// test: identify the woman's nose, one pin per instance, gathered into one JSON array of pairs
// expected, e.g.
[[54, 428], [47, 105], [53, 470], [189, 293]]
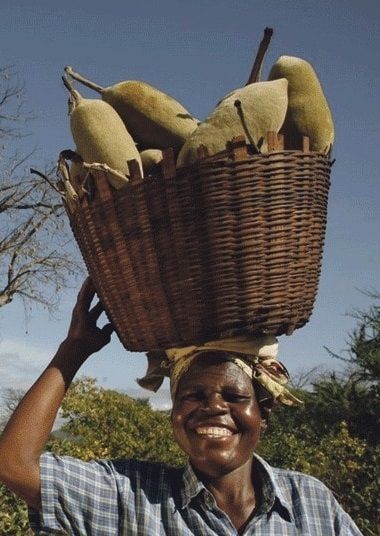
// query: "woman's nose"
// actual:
[[214, 402]]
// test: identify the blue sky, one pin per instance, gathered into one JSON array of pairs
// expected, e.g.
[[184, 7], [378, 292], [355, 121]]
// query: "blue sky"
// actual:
[[198, 52]]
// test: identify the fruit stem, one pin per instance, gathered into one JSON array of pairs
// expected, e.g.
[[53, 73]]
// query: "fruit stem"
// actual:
[[263, 47], [240, 112], [75, 96], [70, 72]]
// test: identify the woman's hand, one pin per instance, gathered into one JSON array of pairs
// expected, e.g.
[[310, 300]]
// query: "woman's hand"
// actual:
[[83, 330]]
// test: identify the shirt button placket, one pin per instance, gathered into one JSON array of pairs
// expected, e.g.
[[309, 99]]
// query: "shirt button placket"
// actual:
[[209, 500]]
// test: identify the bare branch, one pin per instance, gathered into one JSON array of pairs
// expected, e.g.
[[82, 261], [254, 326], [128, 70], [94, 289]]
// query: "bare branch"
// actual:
[[37, 255], [304, 377], [12, 104]]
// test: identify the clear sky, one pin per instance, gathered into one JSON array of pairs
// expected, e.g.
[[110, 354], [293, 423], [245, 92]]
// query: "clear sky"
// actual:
[[199, 51]]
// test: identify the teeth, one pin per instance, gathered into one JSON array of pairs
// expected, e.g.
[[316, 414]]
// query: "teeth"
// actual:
[[214, 431]]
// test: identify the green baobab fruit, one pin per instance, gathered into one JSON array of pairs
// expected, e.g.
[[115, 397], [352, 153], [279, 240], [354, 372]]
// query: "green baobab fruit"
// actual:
[[251, 111], [308, 111], [154, 119], [101, 136], [150, 159]]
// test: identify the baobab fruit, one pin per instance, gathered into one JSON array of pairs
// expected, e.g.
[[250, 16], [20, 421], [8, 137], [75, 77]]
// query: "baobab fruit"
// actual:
[[251, 111], [154, 119], [308, 110], [151, 158], [101, 136]]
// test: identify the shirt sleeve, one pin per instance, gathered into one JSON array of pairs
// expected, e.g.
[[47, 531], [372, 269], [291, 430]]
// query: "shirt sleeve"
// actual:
[[327, 514], [344, 524], [313, 507], [78, 498]]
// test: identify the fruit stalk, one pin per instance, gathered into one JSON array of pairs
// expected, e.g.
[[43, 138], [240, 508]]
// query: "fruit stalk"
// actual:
[[263, 47], [79, 78]]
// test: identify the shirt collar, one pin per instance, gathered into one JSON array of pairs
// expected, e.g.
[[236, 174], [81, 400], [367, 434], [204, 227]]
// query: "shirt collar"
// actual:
[[191, 486], [272, 494]]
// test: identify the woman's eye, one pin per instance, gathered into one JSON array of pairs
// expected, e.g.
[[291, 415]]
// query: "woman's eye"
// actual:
[[191, 396], [236, 397]]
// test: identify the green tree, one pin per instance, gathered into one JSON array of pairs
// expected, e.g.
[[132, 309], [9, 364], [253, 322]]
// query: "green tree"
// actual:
[[360, 393], [104, 423], [13, 515]]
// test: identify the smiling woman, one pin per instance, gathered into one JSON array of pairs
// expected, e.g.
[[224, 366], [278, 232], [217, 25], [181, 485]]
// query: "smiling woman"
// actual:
[[216, 417], [217, 422], [219, 412]]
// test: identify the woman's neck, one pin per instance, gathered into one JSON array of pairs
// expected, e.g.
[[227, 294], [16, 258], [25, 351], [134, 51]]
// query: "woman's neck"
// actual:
[[236, 493]]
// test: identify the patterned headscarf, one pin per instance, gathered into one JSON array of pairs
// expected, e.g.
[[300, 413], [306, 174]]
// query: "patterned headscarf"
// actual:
[[257, 357]]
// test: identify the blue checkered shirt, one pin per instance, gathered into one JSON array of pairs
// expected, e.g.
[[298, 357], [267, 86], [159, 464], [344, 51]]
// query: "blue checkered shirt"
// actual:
[[128, 497]]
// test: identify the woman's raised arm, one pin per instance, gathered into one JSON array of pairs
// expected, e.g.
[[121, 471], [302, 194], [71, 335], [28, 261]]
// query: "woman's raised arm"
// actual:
[[24, 438]]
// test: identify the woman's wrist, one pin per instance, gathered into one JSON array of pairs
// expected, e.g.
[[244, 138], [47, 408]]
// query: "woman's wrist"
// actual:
[[71, 352]]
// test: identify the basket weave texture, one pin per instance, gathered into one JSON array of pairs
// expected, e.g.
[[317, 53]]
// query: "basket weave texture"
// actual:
[[230, 245]]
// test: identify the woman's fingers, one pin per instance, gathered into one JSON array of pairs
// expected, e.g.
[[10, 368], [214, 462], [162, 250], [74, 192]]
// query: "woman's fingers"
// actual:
[[97, 310], [108, 329], [86, 294]]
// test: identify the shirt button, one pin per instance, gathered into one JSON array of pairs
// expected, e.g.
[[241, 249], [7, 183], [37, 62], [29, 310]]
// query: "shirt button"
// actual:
[[208, 500]]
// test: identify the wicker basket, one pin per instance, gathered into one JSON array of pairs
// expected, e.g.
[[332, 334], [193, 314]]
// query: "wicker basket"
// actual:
[[230, 245]]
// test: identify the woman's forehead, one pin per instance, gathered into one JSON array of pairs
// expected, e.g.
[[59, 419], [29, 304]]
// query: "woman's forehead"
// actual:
[[214, 370]]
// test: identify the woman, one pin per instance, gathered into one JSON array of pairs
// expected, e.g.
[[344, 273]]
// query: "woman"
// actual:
[[221, 400]]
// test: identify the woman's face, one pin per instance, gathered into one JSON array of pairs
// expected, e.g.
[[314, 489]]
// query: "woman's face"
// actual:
[[216, 418]]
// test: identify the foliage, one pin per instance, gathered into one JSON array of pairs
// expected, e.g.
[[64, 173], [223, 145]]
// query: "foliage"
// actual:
[[363, 379], [13, 515], [103, 423], [35, 260]]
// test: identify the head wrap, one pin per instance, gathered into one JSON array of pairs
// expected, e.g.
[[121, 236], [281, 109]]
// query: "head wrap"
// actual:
[[257, 357]]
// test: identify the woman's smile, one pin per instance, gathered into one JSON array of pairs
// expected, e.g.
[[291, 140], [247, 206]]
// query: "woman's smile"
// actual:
[[213, 431]]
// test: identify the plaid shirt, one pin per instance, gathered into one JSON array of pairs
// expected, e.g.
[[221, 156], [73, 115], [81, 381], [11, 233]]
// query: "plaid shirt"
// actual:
[[128, 497]]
